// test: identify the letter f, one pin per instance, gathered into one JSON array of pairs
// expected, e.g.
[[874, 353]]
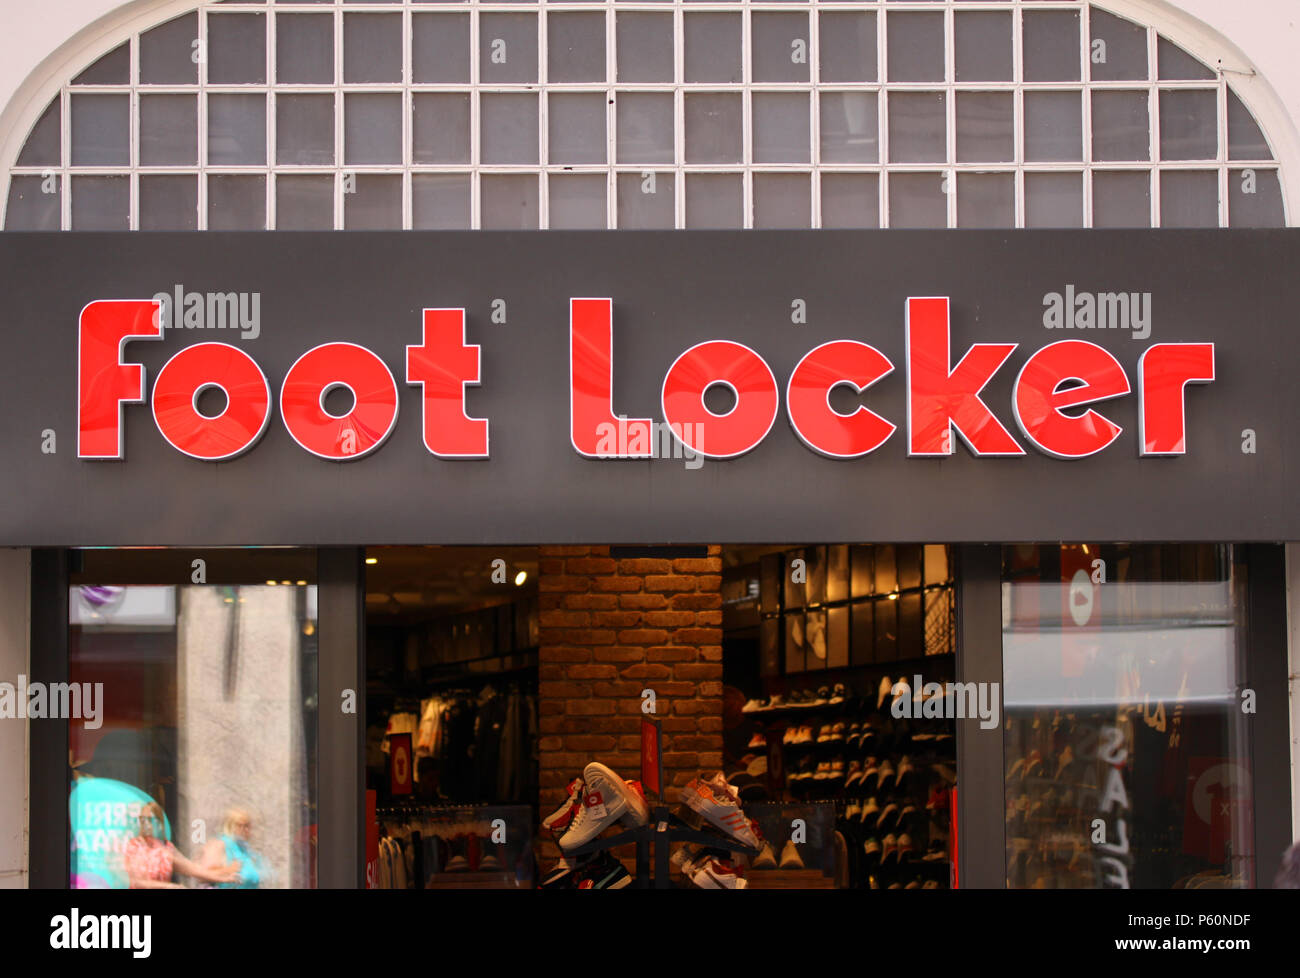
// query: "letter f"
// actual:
[[104, 382]]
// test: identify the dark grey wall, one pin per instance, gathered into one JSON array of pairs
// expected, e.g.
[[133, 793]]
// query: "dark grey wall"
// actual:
[[671, 290]]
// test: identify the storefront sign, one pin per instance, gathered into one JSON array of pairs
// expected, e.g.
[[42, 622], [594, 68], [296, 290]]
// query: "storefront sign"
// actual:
[[926, 384]]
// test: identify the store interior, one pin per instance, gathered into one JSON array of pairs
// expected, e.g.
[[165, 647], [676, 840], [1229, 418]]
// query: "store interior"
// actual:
[[823, 783]]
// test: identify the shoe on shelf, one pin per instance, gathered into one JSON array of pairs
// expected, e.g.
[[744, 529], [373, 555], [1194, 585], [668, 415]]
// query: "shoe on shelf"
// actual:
[[606, 800], [888, 847], [906, 848], [836, 774], [766, 858], [714, 872], [824, 733], [871, 850], [558, 821], [822, 697], [719, 804], [787, 738], [853, 775], [870, 812], [604, 872], [852, 739], [790, 858], [758, 741], [562, 877], [752, 706], [888, 817], [839, 693], [883, 691], [823, 771]]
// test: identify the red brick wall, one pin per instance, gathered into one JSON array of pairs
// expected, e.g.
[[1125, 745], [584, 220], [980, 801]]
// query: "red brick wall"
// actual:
[[609, 630]]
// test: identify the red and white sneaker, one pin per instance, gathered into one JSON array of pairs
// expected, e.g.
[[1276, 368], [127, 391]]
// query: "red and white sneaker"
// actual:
[[559, 820], [710, 872], [607, 799], [719, 803]]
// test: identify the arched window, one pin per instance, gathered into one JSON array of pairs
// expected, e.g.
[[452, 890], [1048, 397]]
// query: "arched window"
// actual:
[[648, 114]]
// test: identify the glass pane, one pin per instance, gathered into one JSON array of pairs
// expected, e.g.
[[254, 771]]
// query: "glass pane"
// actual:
[[576, 128], [372, 47], [508, 202], [1245, 140], [645, 47], [1051, 45], [101, 130], [169, 203], [985, 127], [237, 129], [847, 47], [35, 204], [715, 200], [837, 638], [986, 200], [782, 200], [1053, 200], [1053, 126], [1255, 199], [42, 145], [886, 621], [1189, 199], [1121, 707], [304, 49], [507, 48], [917, 200], [508, 126], [795, 642], [440, 48], [440, 201], [168, 52], [113, 68], [1189, 125], [1121, 126], [1176, 64], [713, 128], [780, 47], [575, 46], [850, 130], [863, 633], [983, 45], [204, 723], [374, 203], [101, 203], [372, 128], [936, 564], [236, 203], [304, 129], [440, 127], [915, 46], [850, 200], [645, 127], [712, 48], [304, 203], [236, 49], [918, 127], [1121, 199], [1119, 48], [646, 200], [578, 201], [780, 127], [169, 130]]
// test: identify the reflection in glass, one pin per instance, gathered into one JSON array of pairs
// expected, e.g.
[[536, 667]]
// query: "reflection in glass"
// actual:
[[1127, 758]]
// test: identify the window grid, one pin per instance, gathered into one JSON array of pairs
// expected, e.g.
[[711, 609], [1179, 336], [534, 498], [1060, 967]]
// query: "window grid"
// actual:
[[948, 170]]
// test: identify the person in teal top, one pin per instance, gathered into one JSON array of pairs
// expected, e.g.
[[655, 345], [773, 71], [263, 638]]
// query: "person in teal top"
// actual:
[[231, 846]]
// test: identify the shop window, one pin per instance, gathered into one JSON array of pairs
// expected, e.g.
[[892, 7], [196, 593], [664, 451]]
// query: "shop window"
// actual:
[[1126, 728], [1003, 116], [197, 766]]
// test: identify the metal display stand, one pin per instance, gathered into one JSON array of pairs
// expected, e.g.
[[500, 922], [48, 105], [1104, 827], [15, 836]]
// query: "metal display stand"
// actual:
[[663, 829]]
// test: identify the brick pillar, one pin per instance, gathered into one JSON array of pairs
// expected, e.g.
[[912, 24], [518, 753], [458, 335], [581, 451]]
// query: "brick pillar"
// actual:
[[609, 630]]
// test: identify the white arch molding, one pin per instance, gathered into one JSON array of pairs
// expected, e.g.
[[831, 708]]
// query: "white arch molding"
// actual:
[[106, 24]]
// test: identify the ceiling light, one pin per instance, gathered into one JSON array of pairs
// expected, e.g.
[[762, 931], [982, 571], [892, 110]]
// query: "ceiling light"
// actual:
[[372, 560], [520, 578]]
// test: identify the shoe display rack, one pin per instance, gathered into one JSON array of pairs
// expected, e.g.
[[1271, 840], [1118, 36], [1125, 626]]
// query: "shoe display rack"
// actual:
[[887, 777]]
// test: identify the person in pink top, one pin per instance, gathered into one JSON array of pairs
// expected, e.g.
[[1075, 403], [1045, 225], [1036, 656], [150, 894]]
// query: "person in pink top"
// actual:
[[151, 860]]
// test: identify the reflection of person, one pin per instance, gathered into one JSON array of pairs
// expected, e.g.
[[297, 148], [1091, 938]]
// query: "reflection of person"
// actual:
[[231, 849], [151, 859], [1288, 875]]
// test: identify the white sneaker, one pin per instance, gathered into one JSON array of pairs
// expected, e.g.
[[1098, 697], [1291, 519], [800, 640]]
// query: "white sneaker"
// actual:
[[719, 803], [711, 873], [606, 798]]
